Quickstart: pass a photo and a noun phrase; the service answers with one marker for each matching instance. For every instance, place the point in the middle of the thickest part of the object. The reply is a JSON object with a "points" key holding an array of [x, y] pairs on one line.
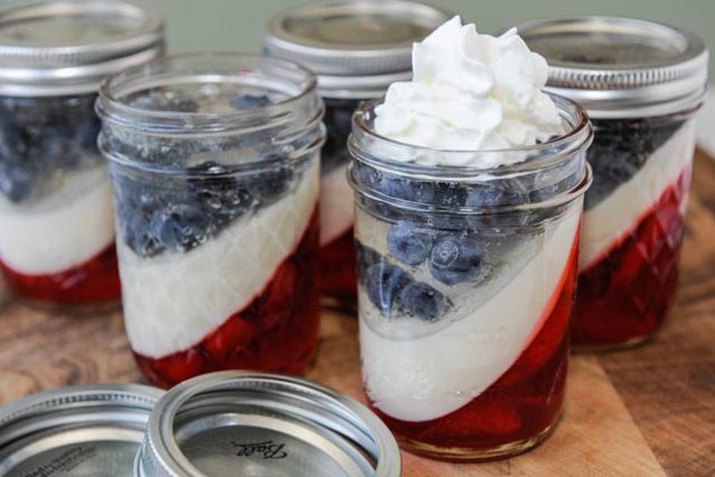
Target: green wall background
{"points": [[238, 24]]}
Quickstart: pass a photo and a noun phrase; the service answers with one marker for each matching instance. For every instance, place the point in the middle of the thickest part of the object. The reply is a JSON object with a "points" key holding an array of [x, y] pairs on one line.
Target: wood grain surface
{"points": [[648, 411]]}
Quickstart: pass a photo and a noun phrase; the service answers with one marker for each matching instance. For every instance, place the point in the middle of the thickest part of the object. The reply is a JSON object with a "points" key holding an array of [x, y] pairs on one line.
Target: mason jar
{"points": [[56, 225], [642, 84], [214, 160], [467, 278], [357, 48]]}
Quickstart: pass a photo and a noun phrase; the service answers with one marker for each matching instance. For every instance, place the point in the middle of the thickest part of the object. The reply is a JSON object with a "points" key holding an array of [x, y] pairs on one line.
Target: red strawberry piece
{"points": [[280, 296], [471, 425], [235, 333]]}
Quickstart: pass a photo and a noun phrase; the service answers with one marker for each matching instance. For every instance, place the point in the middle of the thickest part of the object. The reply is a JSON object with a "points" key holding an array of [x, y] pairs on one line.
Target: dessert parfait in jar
{"points": [[642, 84], [357, 48], [469, 184], [214, 160], [56, 223]]}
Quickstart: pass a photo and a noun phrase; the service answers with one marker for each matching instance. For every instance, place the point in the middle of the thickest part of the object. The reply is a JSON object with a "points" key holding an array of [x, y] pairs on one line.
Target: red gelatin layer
{"points": [[94, 281], [624, 297], [338, 269], [276, 332], [523, 403]]}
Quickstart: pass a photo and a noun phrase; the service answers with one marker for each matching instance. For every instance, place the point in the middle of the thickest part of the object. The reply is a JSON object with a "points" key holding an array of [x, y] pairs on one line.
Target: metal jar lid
{"points": [[621, 67], [80, 430], [357, 47], [67, 47], [240, 423]]}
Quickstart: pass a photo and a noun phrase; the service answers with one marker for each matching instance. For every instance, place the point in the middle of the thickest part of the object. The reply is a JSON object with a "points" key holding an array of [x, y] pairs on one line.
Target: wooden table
{"points": [[644, 412]]}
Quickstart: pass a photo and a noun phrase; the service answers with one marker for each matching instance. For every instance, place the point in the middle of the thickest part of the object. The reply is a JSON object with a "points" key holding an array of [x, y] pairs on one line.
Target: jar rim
{"points": [[61, 65], [620, 67], [578, 135], [167, 70]]}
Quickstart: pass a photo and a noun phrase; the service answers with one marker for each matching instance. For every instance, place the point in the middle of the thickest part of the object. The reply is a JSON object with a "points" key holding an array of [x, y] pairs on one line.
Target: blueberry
{"points": [[250, 101], [544, 193], [59, 150], [338, 123], [487, 197], [269, 185], [406, 189], [18, 172], [184, 105], [619, 171], [366, 257], [222, 198], [16, 183], [179, 227], [408, 243], [138, 237], [87, 132], [338, 116], [217, 192], [423, 301], [384, 283], [456, 259], [449, 195]]}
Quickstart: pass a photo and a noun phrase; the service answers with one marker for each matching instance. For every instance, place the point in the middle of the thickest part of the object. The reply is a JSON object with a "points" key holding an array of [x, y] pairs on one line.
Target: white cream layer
{"points": [[431, 376], [606, 224], [62, 230], [337, 212], [173, 301]]}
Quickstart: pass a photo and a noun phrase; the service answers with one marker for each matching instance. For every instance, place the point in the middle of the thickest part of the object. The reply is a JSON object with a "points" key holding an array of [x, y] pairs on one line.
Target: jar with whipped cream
{"points": [[214, 160], [642, 84], [469, 185], [357, 48], [56, 223]]}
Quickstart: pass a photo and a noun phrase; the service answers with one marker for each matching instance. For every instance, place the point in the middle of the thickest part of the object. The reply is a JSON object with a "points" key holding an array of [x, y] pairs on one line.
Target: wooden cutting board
{"points": [[643, 412]]}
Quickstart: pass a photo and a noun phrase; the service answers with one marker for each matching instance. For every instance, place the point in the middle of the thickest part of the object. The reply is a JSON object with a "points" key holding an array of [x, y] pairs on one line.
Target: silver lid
{"points": [[621, 67], [346, 41], [239, 423], [67, 47], [81, 430]]}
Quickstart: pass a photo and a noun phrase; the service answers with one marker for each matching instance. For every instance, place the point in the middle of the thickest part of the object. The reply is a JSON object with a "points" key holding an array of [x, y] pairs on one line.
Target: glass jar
{"points": [[642, 84], [56, 225], [214, 160], [467, 278], [357, 48]]}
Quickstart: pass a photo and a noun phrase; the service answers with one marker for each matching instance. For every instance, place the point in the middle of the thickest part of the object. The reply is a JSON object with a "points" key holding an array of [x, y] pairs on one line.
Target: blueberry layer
{"points": [[610, 220], [41, 138], [621, 148], [201, 287]]}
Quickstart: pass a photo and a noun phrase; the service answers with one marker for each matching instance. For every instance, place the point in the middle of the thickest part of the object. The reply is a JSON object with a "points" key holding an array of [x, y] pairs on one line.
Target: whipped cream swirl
{"points": [[471, 92]]}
